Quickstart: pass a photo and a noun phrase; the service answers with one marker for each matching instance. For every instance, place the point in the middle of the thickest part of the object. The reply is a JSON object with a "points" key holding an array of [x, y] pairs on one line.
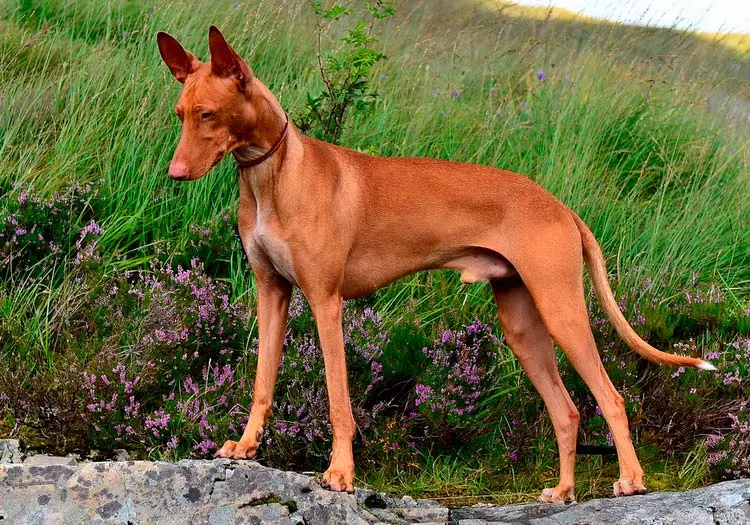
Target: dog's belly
{"points": [[365, 275], [479, 264]]}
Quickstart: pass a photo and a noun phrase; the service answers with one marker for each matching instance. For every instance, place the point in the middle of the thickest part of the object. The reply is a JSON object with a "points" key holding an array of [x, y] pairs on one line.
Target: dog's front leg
{"points": [[340, 474], [274, 293]]}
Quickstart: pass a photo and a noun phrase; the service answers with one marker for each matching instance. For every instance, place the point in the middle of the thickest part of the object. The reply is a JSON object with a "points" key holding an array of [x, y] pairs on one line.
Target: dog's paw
{"points": [[338, 480], [558, 494], [628, 487], [236, 450]]}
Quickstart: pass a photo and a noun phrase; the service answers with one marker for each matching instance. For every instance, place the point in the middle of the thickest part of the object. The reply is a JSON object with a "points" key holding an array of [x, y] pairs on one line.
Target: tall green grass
{"points": [[633, 149]]}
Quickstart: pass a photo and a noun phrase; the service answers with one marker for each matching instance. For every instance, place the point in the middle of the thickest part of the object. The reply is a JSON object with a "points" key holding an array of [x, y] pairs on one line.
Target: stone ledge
{"points": [[55, 490], [10, 451], [726, 503]]}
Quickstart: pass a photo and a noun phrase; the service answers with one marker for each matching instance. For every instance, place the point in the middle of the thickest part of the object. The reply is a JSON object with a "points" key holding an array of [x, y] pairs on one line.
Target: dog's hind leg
{"points": [[532, 345], [554, 277]]}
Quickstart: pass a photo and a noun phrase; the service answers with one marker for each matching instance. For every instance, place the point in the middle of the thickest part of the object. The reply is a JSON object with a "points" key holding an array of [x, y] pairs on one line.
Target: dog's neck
{"points": [[266, 182], [267, 135]]}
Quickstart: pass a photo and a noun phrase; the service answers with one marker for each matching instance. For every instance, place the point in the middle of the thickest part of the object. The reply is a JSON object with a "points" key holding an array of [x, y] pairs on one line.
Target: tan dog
{"points": [[342, 224]]}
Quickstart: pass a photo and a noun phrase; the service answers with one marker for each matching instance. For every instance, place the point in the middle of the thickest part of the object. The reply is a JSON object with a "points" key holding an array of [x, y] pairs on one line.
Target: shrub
{"points": [[459, 370], [37, 235], [345, 72]]}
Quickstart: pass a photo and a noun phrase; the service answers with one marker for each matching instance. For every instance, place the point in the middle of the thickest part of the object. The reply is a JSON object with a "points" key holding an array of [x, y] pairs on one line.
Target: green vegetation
{"points": [[643, 132], [346, 72]]}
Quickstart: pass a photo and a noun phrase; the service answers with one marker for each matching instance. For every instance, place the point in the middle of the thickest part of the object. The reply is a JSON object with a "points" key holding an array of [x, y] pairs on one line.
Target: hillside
{"points": [[642, 131]]}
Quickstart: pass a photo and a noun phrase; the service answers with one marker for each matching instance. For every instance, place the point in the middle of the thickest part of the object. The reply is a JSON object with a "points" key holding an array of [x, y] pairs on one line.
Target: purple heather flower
{"points": [[540, 75], [91, 227], [423, 393], [137, 293], [183, 276], [205, 446]]}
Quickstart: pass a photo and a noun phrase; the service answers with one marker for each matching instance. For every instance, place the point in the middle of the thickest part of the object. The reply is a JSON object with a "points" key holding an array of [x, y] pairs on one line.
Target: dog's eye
{"points": [[207, 115]]}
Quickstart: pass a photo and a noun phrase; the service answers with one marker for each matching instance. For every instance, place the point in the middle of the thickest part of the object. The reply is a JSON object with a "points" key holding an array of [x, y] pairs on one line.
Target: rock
{"points": [[10, 451], [94, 455], [121, 454], [219, 491], [46, 489], [388, 516], [726, 503], [42, 460], [424, 514]]}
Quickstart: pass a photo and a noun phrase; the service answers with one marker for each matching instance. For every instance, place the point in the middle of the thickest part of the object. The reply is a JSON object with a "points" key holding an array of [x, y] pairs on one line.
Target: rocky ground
{"points": [[45, 489]]}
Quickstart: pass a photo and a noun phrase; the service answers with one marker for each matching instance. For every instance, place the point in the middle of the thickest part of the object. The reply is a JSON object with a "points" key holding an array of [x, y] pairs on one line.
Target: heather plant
{"points": [[214, 242], [43, 406], [137, 408], [176, 317], [49, 261], [729, 450], [191, 338], [37, 234], [459, 369], [115, 398], [160, 346], [189, 319]]}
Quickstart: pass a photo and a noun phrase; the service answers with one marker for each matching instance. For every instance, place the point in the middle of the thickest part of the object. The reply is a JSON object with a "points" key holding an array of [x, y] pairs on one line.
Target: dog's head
{"points": [[215, 105]]}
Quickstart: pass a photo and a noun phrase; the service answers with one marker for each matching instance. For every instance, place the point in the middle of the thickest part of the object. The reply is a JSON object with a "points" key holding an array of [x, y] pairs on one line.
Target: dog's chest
{"points": [[275, 249], [262, 235]]}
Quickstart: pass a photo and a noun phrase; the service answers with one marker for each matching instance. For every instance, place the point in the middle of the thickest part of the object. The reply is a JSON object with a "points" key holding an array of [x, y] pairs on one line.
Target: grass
{"points": [[641, 131], [464, 480]]}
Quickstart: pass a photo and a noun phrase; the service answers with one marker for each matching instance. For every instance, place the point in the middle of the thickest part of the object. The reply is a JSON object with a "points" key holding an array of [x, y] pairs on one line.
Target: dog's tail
{"points": [[593, 255]]}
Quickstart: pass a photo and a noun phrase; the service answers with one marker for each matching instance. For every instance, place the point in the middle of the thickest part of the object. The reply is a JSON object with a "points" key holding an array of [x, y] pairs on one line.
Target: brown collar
{"points": [[267, 155]]}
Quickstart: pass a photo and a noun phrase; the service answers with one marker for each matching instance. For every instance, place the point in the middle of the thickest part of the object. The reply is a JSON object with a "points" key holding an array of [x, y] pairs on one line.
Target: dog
{"points": [[340, 224]]}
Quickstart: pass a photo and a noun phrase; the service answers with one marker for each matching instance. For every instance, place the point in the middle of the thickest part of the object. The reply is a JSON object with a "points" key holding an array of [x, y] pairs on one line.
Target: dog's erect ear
{"points": [[225, 62], [180, 62]]}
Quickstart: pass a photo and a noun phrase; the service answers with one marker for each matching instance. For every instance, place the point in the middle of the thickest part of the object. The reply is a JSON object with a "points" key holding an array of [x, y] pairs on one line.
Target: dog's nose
{"points": [[178, 171]]}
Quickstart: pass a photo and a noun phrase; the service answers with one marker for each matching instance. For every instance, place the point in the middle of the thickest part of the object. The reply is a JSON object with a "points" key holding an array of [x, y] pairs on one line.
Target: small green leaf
{"points": [[335, 12]]}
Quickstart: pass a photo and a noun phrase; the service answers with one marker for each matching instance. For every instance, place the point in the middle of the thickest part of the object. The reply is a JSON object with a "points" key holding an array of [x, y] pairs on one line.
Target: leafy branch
{"points": [[346, 72]]}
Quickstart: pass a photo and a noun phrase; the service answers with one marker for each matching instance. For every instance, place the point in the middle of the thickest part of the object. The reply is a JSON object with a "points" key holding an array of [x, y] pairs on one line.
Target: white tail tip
{"points": [[705, 365]]}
